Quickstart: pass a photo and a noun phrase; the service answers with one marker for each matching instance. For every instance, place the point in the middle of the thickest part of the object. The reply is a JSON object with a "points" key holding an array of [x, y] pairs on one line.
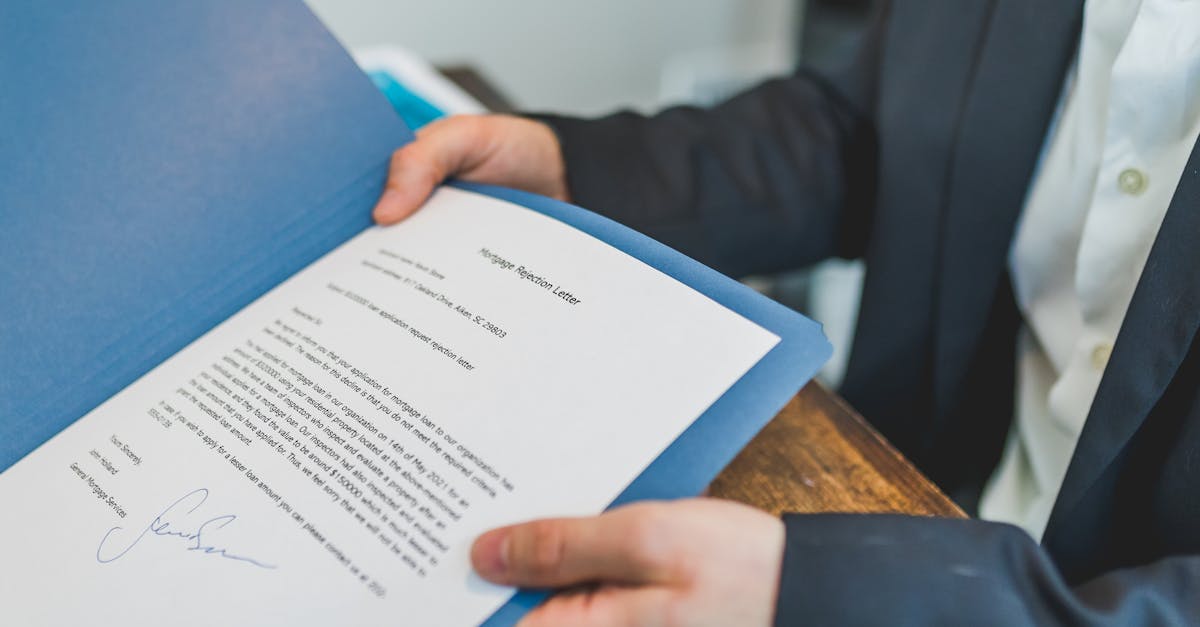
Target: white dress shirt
{"points": [[1127, 121]]}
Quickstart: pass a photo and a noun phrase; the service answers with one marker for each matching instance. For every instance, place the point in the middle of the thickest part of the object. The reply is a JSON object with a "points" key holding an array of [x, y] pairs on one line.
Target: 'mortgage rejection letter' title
{"points": [[528, 275]]}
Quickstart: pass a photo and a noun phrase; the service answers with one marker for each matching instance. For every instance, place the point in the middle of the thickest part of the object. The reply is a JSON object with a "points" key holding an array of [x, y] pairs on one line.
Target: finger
{"points": [[608, 606], [627, 545], [441, 149]]}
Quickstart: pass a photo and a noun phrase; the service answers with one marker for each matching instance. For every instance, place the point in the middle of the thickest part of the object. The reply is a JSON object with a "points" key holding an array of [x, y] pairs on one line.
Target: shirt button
{"points": [[1132, 181], [1100, 355]]}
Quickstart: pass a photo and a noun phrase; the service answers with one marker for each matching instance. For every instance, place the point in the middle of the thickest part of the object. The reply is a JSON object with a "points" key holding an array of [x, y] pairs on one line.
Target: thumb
{"points": [[440, 150], [630, 545]]}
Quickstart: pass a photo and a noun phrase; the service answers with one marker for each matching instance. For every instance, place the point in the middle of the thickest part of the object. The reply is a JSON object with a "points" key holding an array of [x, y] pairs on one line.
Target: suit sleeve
{"points": [[777, 177], [851, 569]]}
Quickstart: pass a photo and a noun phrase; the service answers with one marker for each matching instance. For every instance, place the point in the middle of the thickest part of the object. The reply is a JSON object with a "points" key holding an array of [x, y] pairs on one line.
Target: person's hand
{"points": [[497, 149], [693, 562]]}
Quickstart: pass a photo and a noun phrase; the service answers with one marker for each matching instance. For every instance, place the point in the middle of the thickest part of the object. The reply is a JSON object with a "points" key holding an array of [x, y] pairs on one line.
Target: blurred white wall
{"points": [[576, 56]]}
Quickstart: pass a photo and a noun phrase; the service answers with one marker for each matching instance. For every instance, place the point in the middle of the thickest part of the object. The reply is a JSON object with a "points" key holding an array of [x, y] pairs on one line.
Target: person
{"points": [[1022, 180]]}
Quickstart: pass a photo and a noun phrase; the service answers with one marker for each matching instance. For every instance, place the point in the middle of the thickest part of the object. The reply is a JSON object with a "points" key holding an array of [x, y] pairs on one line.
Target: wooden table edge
{"points": [[819, 456]]}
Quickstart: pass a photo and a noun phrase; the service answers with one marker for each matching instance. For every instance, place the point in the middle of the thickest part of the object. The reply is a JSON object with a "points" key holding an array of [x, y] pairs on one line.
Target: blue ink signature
{"points": [[162, 526]]}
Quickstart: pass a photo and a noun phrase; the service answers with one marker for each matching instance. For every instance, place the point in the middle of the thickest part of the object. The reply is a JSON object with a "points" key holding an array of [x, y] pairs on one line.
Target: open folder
{"points": [[226, 397]]}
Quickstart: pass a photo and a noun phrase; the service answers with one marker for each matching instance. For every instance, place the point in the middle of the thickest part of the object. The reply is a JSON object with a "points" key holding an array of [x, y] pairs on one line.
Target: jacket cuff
{"points": [[875, 569], [599, 158]]}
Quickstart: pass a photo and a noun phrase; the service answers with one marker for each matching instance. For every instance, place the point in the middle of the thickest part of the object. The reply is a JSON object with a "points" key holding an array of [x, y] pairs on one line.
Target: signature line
{"points": [[161, 526]]}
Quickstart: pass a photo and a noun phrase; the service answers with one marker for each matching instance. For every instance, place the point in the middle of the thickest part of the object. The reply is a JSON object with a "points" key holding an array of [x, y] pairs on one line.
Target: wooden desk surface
{"points": [[819, 455]]}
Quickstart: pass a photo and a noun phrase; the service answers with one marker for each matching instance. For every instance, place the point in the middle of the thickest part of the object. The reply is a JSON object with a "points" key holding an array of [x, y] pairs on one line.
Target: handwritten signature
{"points": [[167, 524]]}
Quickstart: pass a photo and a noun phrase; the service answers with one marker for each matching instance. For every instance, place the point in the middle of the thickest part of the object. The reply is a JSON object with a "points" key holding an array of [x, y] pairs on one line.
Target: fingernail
{"points": [[491, 554]]}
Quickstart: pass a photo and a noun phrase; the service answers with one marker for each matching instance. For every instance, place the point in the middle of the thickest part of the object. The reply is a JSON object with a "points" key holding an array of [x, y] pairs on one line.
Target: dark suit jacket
{"points": [[917, 158]]}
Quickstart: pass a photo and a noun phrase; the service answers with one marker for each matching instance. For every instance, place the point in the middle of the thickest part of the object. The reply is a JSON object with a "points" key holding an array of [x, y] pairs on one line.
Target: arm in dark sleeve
{"points": [[903, 570], [777, 177]]}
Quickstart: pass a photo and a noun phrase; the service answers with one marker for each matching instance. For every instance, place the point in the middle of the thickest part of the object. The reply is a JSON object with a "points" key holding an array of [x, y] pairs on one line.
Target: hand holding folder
{"points": [[237, 389]]}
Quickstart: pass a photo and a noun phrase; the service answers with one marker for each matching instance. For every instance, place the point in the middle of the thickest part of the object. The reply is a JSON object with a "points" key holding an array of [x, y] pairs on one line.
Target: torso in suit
{"points": [[917, 158]]}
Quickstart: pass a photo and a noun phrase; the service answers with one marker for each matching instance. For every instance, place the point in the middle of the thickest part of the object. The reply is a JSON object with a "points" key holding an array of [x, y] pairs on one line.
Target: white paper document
{"points": [[327, 455]]}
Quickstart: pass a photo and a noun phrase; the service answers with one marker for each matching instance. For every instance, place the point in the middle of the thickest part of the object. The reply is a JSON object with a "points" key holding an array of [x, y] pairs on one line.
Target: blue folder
{"points": [[166, 163]]}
